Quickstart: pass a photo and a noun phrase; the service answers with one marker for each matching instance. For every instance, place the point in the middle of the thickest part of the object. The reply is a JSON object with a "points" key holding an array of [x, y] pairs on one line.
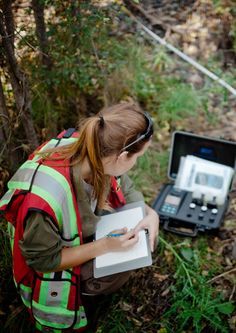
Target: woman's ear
{"points": [[122, 157]]}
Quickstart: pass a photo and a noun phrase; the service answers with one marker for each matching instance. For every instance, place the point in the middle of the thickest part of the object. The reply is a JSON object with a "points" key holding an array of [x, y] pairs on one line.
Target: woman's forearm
{"points": [[78, 255]]}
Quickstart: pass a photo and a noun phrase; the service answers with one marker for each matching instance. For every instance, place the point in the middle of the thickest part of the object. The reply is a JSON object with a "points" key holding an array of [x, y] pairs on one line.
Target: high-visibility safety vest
{"points": [[53, 299]]}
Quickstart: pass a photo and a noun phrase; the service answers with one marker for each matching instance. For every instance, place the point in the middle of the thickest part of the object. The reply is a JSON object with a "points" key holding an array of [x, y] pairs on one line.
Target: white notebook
{"points": [[137, 256]]}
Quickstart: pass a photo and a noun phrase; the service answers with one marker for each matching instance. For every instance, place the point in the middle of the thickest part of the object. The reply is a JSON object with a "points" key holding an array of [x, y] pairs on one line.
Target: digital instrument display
{"points": [[172, 200]]}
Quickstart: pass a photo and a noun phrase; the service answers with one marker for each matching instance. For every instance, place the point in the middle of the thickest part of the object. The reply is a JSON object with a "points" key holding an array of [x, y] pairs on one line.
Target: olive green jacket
{"points": [[41, 244]]}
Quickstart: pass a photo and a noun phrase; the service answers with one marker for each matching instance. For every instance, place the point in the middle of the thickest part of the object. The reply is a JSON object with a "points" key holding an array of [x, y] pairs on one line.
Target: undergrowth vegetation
{"points": [[191, 303], [92, 66]]}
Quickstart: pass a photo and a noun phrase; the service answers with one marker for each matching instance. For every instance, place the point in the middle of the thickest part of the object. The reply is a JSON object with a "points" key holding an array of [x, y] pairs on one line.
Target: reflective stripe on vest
{"points": [[26, 294], [46, 316], [50, 144], [6, 198], [53, 187], [51, 307], [54, 303], [54, 143], [44, 329]]}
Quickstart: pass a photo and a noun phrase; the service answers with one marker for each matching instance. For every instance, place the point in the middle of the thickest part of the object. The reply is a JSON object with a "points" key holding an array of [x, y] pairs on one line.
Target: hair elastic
{"points": [[101, 120]]}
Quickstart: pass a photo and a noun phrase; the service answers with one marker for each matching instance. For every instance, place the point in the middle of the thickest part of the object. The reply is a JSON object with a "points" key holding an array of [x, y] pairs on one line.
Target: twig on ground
{"points": [[221, 275]]}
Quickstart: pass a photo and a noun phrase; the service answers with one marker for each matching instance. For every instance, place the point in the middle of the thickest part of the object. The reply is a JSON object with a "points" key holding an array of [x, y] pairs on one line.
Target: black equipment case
{"points": [[178, 211]]}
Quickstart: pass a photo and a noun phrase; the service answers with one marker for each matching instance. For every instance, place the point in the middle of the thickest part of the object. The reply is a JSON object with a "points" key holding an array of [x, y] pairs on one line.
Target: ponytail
{"points": [[104, 135], [91, 148]]}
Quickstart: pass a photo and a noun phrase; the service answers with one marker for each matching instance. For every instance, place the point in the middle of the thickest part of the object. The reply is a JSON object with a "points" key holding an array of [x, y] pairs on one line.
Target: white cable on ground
{"points": [[186, 58]]}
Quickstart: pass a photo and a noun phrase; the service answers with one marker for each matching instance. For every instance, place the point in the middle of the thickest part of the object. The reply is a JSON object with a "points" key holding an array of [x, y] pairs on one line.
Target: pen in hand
{"points": [[118, 233], [121, 239], [114, 235]]}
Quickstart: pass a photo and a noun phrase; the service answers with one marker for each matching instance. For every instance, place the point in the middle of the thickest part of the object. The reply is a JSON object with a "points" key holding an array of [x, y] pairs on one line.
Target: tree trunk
{"points": [[77, 23], [4, 116], [8, 154], [38, 9], [5, 132], [19, 85], [10, 26], [2, 139]]}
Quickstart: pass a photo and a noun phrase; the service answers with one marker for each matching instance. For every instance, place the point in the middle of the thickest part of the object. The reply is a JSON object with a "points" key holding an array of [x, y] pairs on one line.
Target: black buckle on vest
{"points": [[68, 133]]}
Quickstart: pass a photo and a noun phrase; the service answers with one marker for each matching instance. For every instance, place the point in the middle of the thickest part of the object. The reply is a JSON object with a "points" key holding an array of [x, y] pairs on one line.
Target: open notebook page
{"points": [[128, 218]]}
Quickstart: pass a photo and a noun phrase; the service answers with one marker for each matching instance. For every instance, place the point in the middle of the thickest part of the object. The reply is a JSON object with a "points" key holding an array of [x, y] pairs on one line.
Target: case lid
{"points": [[186, 143]]}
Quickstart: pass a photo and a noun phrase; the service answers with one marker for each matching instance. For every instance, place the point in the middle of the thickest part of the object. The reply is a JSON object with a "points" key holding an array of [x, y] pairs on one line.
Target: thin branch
{"points": [[5, 116], [221, 275], [30, 45], [232, 293], [96, 56], [6, 144]]}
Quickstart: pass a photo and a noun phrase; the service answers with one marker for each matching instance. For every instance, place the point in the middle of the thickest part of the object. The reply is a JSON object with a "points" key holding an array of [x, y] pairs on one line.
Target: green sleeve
{"points": [[41, 244], [129, 191]]}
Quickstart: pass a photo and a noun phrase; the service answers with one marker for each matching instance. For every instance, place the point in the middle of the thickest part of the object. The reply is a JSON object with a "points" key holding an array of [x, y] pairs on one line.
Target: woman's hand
{"points": [[150, 222], [78, 255], [121, 239]]}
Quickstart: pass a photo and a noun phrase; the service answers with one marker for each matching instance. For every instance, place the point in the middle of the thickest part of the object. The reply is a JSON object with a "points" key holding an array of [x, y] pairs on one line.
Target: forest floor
{"points": [[196, 28]]}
